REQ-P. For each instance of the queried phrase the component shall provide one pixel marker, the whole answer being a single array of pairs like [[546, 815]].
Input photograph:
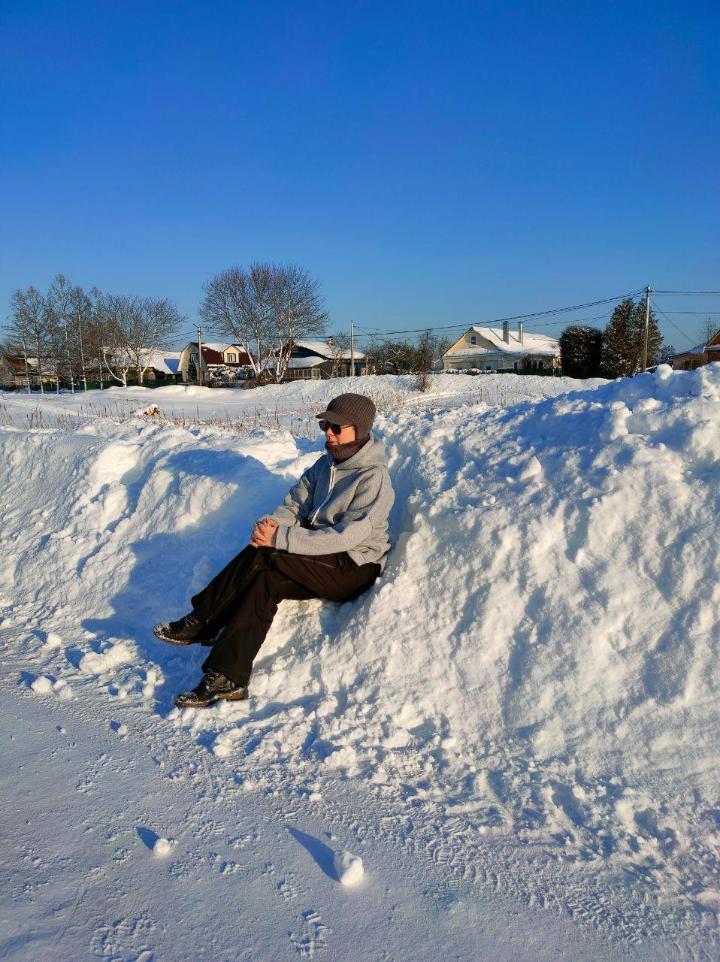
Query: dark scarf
[[343, 452]]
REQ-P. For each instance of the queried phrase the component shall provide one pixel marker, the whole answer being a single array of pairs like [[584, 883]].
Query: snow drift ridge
[[540, 655]]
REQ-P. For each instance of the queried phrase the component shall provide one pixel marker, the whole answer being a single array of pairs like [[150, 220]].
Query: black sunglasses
[[335, 428]]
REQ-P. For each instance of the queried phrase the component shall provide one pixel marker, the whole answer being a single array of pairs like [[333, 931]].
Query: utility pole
[[27, 369], [352, 348], [82, 352], [199, 369], [648, 289], [69, 357]]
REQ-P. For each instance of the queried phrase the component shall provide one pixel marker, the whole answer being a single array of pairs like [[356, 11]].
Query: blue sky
[[430, 164]]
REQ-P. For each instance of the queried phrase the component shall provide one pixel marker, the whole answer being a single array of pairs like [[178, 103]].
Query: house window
[[232, 358], [473, 339]]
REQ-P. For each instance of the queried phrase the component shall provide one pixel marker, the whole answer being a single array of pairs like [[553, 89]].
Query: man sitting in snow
[[327, 540]]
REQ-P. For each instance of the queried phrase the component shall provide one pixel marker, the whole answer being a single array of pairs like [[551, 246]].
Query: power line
[[387, 336], [514, 317], [688, 293], [673, 324], [537, 317], [581, 320], [701, 313]]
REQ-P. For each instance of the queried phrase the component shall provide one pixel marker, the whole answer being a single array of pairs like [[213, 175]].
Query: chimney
[[506, 331], [521, 331], [331, 341]]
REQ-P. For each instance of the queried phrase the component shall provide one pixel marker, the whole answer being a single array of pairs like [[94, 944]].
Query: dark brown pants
[[242, 600]]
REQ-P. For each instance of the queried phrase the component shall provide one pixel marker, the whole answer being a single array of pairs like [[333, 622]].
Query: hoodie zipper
[[327, 496]]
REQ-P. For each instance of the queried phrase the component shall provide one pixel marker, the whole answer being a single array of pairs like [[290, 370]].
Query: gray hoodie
[[340, 506]]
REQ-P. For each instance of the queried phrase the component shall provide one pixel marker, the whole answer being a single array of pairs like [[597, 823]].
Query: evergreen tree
[[619, 343], [623, 345], [666, 354], [581, 350], [655, 338]]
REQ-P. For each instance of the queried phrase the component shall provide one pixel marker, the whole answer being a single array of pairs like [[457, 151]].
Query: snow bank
[[282, 404], [163, 847], [98, 662], [42, 685], [539, 658], [348, 868]]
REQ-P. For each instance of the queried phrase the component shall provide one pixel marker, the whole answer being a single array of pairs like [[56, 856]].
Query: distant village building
[[156, 367], [699, 355], [161, 366], [316, 360], [16, 371], [493, 349], [216, 359]]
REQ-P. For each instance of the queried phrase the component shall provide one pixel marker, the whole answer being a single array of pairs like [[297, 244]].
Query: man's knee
[[270, 579], [264, 557]]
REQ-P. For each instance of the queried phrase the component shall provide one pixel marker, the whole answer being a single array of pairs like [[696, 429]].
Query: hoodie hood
[[371, 453]]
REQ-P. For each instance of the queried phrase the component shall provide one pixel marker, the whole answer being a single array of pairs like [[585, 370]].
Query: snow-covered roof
[[18, 361], [221, 348], [301, 362], [295, 362], [165, 361], [323, 349], [216, 346], [539, 344]]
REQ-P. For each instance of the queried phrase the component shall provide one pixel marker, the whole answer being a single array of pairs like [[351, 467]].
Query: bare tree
[[708, 330], [237, 305], [133, 330], [371, 351], [265, 309], [30, 329], [115, 316], [297, 310], [70, 309], [424, 358], [339, 345], [59, 312], [81, 313], [394, 357], [154, 322], [93, 333]]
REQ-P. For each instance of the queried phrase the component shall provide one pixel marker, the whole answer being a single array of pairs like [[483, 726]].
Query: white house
[[495, 349]]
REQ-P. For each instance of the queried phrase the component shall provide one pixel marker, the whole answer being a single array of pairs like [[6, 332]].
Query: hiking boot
[[213, 687], [185, 631]]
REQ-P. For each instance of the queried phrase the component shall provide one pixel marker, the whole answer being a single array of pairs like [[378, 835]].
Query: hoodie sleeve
[[373, 497], [289, 512]]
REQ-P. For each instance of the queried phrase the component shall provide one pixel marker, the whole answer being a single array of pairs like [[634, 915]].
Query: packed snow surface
[[528, 696]]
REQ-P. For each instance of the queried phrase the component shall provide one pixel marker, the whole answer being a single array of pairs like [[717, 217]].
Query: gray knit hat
[[351, 409]]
